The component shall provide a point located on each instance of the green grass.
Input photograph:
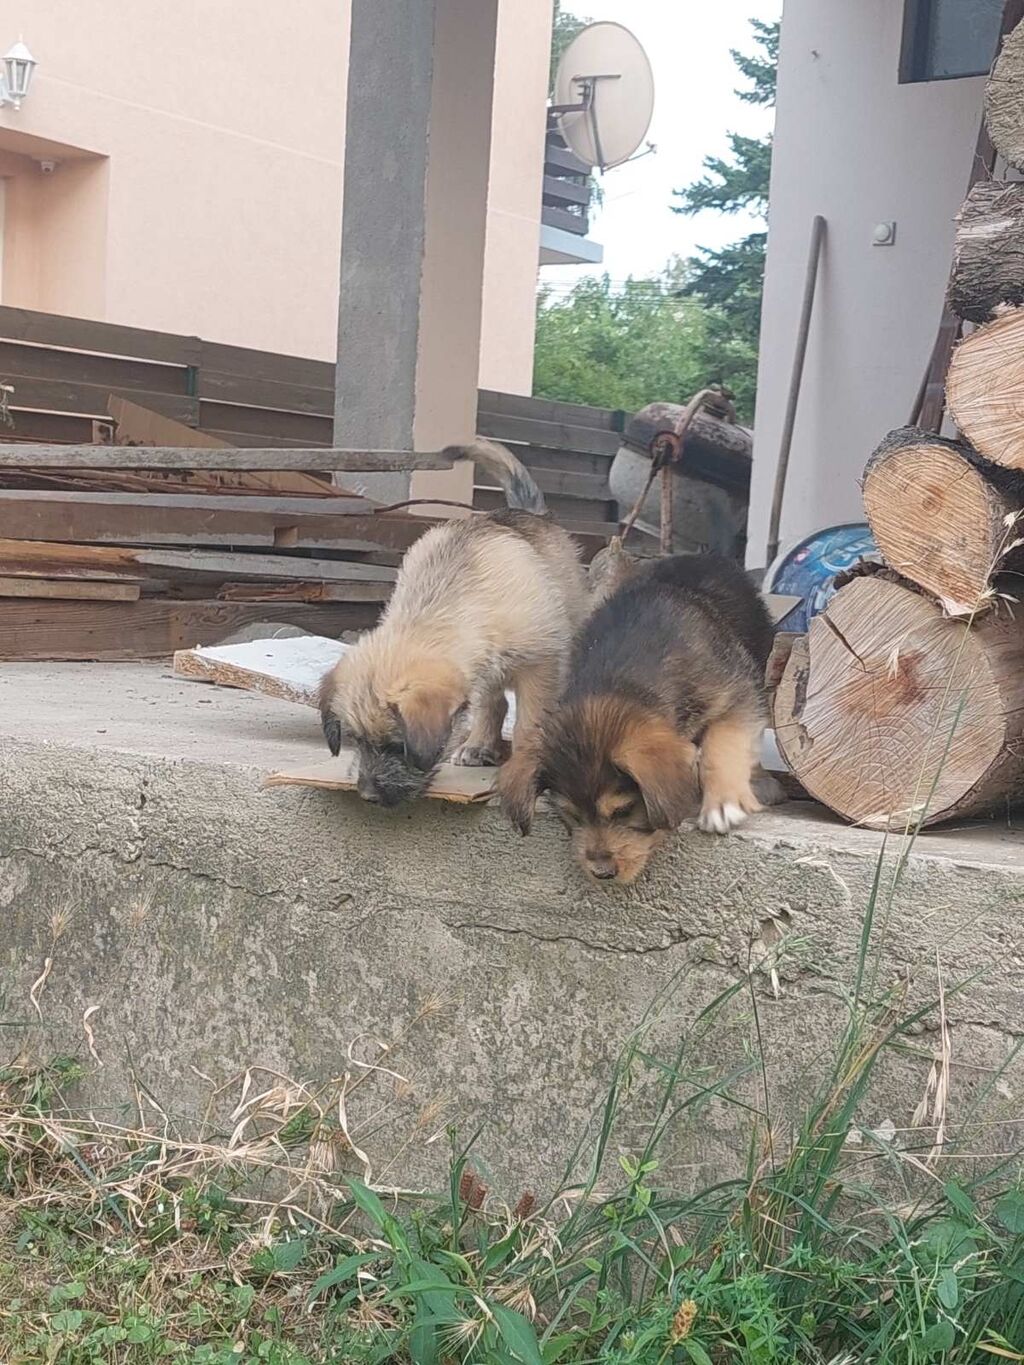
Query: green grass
(128, 1246)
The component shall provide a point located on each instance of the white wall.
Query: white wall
(854, 145)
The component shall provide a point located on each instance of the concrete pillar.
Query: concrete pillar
(417, 152)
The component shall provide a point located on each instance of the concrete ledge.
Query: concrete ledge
(218, 925)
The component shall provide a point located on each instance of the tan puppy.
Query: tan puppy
(480, 606)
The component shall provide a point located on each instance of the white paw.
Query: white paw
(475, 756)
(721, 819)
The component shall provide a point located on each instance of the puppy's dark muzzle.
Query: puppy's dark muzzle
(385, 780)
(603, 868)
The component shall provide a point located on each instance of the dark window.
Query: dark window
(943, 39)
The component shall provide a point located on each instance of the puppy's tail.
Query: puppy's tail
(520, 490)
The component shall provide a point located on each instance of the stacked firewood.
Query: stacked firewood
(904, 703)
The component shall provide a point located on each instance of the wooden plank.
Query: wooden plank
(20, 362)
(267, 365)
(570, 461)
(168, 519)
(223, 564)
(69, 589)
(562, 509)
(247, 440)
(561, 483)
(492, 403)
(251, 391)
(141, 426)
(56, 395)
(136, 425)
(153, 627)
(305, 591)
(290, 669)
(45, 559)
(267, 422)
(53, 559)
(82, 334)
(554, 435)
(175, 457)
(62, 427)
(186, 481)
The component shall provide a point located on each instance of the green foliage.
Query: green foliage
(759, 68)
(564, 29)
(794, 1260)
(641, 344)
(697, 322)
(730, 280)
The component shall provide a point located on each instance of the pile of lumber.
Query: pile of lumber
(904, 703)
(134, 551)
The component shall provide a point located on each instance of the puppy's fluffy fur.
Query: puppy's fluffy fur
(480, 605)
(661, 715)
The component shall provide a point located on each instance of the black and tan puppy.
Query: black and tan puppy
(661, 717)
(481, 605)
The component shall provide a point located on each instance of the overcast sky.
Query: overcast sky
(688, 42)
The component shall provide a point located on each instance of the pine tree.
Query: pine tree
(729, 280)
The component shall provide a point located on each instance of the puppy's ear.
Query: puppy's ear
(664, 766)
(427, 702)
(328, 720)
(519, 785)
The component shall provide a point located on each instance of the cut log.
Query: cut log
(985, 389)
(1004, 100)
(988, 258)
(943, 517)
(892, 714)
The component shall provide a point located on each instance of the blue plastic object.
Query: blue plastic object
(809, 568)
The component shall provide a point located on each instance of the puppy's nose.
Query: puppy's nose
(601, 866)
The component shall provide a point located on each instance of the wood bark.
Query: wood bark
(1004, 99)
(985, 389)
(988, 257)
(892, 714)
(942, 517)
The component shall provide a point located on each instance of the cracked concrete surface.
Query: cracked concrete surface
(218, 925)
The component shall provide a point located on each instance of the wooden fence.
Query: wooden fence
(64, 370)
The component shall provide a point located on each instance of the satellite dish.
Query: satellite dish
(604, 95)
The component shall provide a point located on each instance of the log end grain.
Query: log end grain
(940, 517)
(893, 715)
(985, 389)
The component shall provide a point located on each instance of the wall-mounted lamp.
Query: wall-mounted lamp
(16, 75)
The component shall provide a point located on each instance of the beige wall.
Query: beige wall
(855, 146)
(199, 185)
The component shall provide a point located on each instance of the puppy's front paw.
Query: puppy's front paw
(477, 756)
(720, 815)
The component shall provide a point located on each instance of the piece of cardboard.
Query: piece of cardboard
(139, 426)
(466, 786)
